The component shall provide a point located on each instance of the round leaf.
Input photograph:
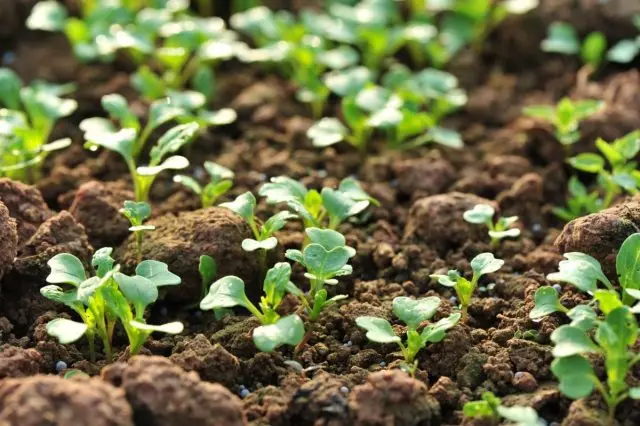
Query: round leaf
(326, 132)
(479, 214)
(227, 292)
(287, 331)
(485, 263)
(157, 272)
(66, 331)
(414, 311)
(66, 269)
(378, 329)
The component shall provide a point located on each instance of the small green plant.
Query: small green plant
(613, 339)
(581, 202)
(137, 213)
(229, 291)
(220, 182)
(620, 155)
(27, 118)
(325, 258)
(502, 228)
(482, 264)
(565, 117)
(490, 407)
(412, 312)
(106, 298)
(313, 207)
(132, 138)
(208, 269)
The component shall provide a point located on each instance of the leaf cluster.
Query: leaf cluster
(490, 406)
(498, 230)
(220, 182)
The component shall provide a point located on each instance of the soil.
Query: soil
(212, 374)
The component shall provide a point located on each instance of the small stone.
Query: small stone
(558, 288)
(61, 366)
(453, 300)
(244, 393)
(536, 228)
(344, 389)
(383, 364)
(525, 381)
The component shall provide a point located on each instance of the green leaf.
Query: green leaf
(66, 331)
(217, 172)
(208, 269)
(581, 270)
(48, 15)
(593, 48)
(226, 292)
(327, 132)
(583, 317)
(118, 108)
(120, 142)
(276, 281)
(277, 222)
(414, 311)
(243, 206)
(353, 189)
(66, 269)
(325, 263)
(340, 206)
(10, 85)
(628, 262)
(327, 238)
(634, 393)
(174, 139)
(477, 409)
(175, 162)
(624, 51)
(88, 287)
(57, 294)
(188, 182)
(282, 189)
(434, 333)
(576, 376)
(149, 84)
(348, 82)
(249, 244)
(547, 302)
(175, 327)
(138, 290)
(570, 340)
(485, 263)
(561, 38)
(445, 137)
(341, 57)
(220, 117)
(287, 331)
(479, 214)
(378, 329)
(544, 112)
(102, 261)
(188, 100)
(163, 111)
(608, 300)
(587, 162)
(136, 212)
(157, 272)
(522, 416)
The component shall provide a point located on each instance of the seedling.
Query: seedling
(584, 272)
(613, 339)
(482, 264)
(483, 214)
(208, 269)
(620, 155)
(324, 258)
(490, 407)
(565, 117)
(229, 292)
(132, 138)
(26, 121)
(137, 213)
(562, 38)
(105, 298)
(412, 312)
(315, 207)
(581, 202)
(220, 182)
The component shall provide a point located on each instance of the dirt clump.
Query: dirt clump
(25, 205)
(212, 362)
(18, 362)
(9, 238)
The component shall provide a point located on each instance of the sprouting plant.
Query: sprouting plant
(324, 258)
(28, 114)
(490, 406)
(208, 269)
(229, 291)
(264, 240)
(412, 312)
(137, 213)
(565, 117)
(613, 339)
(132, 138)
(482, 264)
(502, 228)
(581, 202)
(584, 272)
(106, 298)
(220, 182)
(313, 207)
(622, 176)
(563, 38)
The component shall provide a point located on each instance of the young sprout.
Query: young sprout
(490, 407)
(228, 292)
(483, 214)
(325, 258)
(581, 202)
(315, 207)
(565, 117)
(482, 264)
(28, 114)
(132, 138)
(208, 269)
(563, 38)
(412, 312)
(622, 176)
(137, 213)
(106, 298)
(220, 182)
(613, 340)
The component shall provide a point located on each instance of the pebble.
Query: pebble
(536, 227)
(344, 389)
(244, 393)
(453, 299)
(348, 344)
(525, 381)
(60, 366)
(383, 364)
(558, 288)
(322, 173)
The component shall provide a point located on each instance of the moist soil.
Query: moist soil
(212, 373)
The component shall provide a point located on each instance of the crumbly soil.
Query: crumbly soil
(212, 374)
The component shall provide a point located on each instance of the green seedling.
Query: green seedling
(329, 206)
(220, 182)
(132, 139)
(585, 273)
(137, 213)
(27, 117)
(626, 50)
(106, 298)
(229, 292)
(565, 117)
(562, 38)
(581, 202)
(482, 264)
(208, 269)
(622, 175)
(324, 258)
(502, 228)
(490, 407)
(613, 339)
(412, 312)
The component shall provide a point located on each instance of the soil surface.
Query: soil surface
(212, 374)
